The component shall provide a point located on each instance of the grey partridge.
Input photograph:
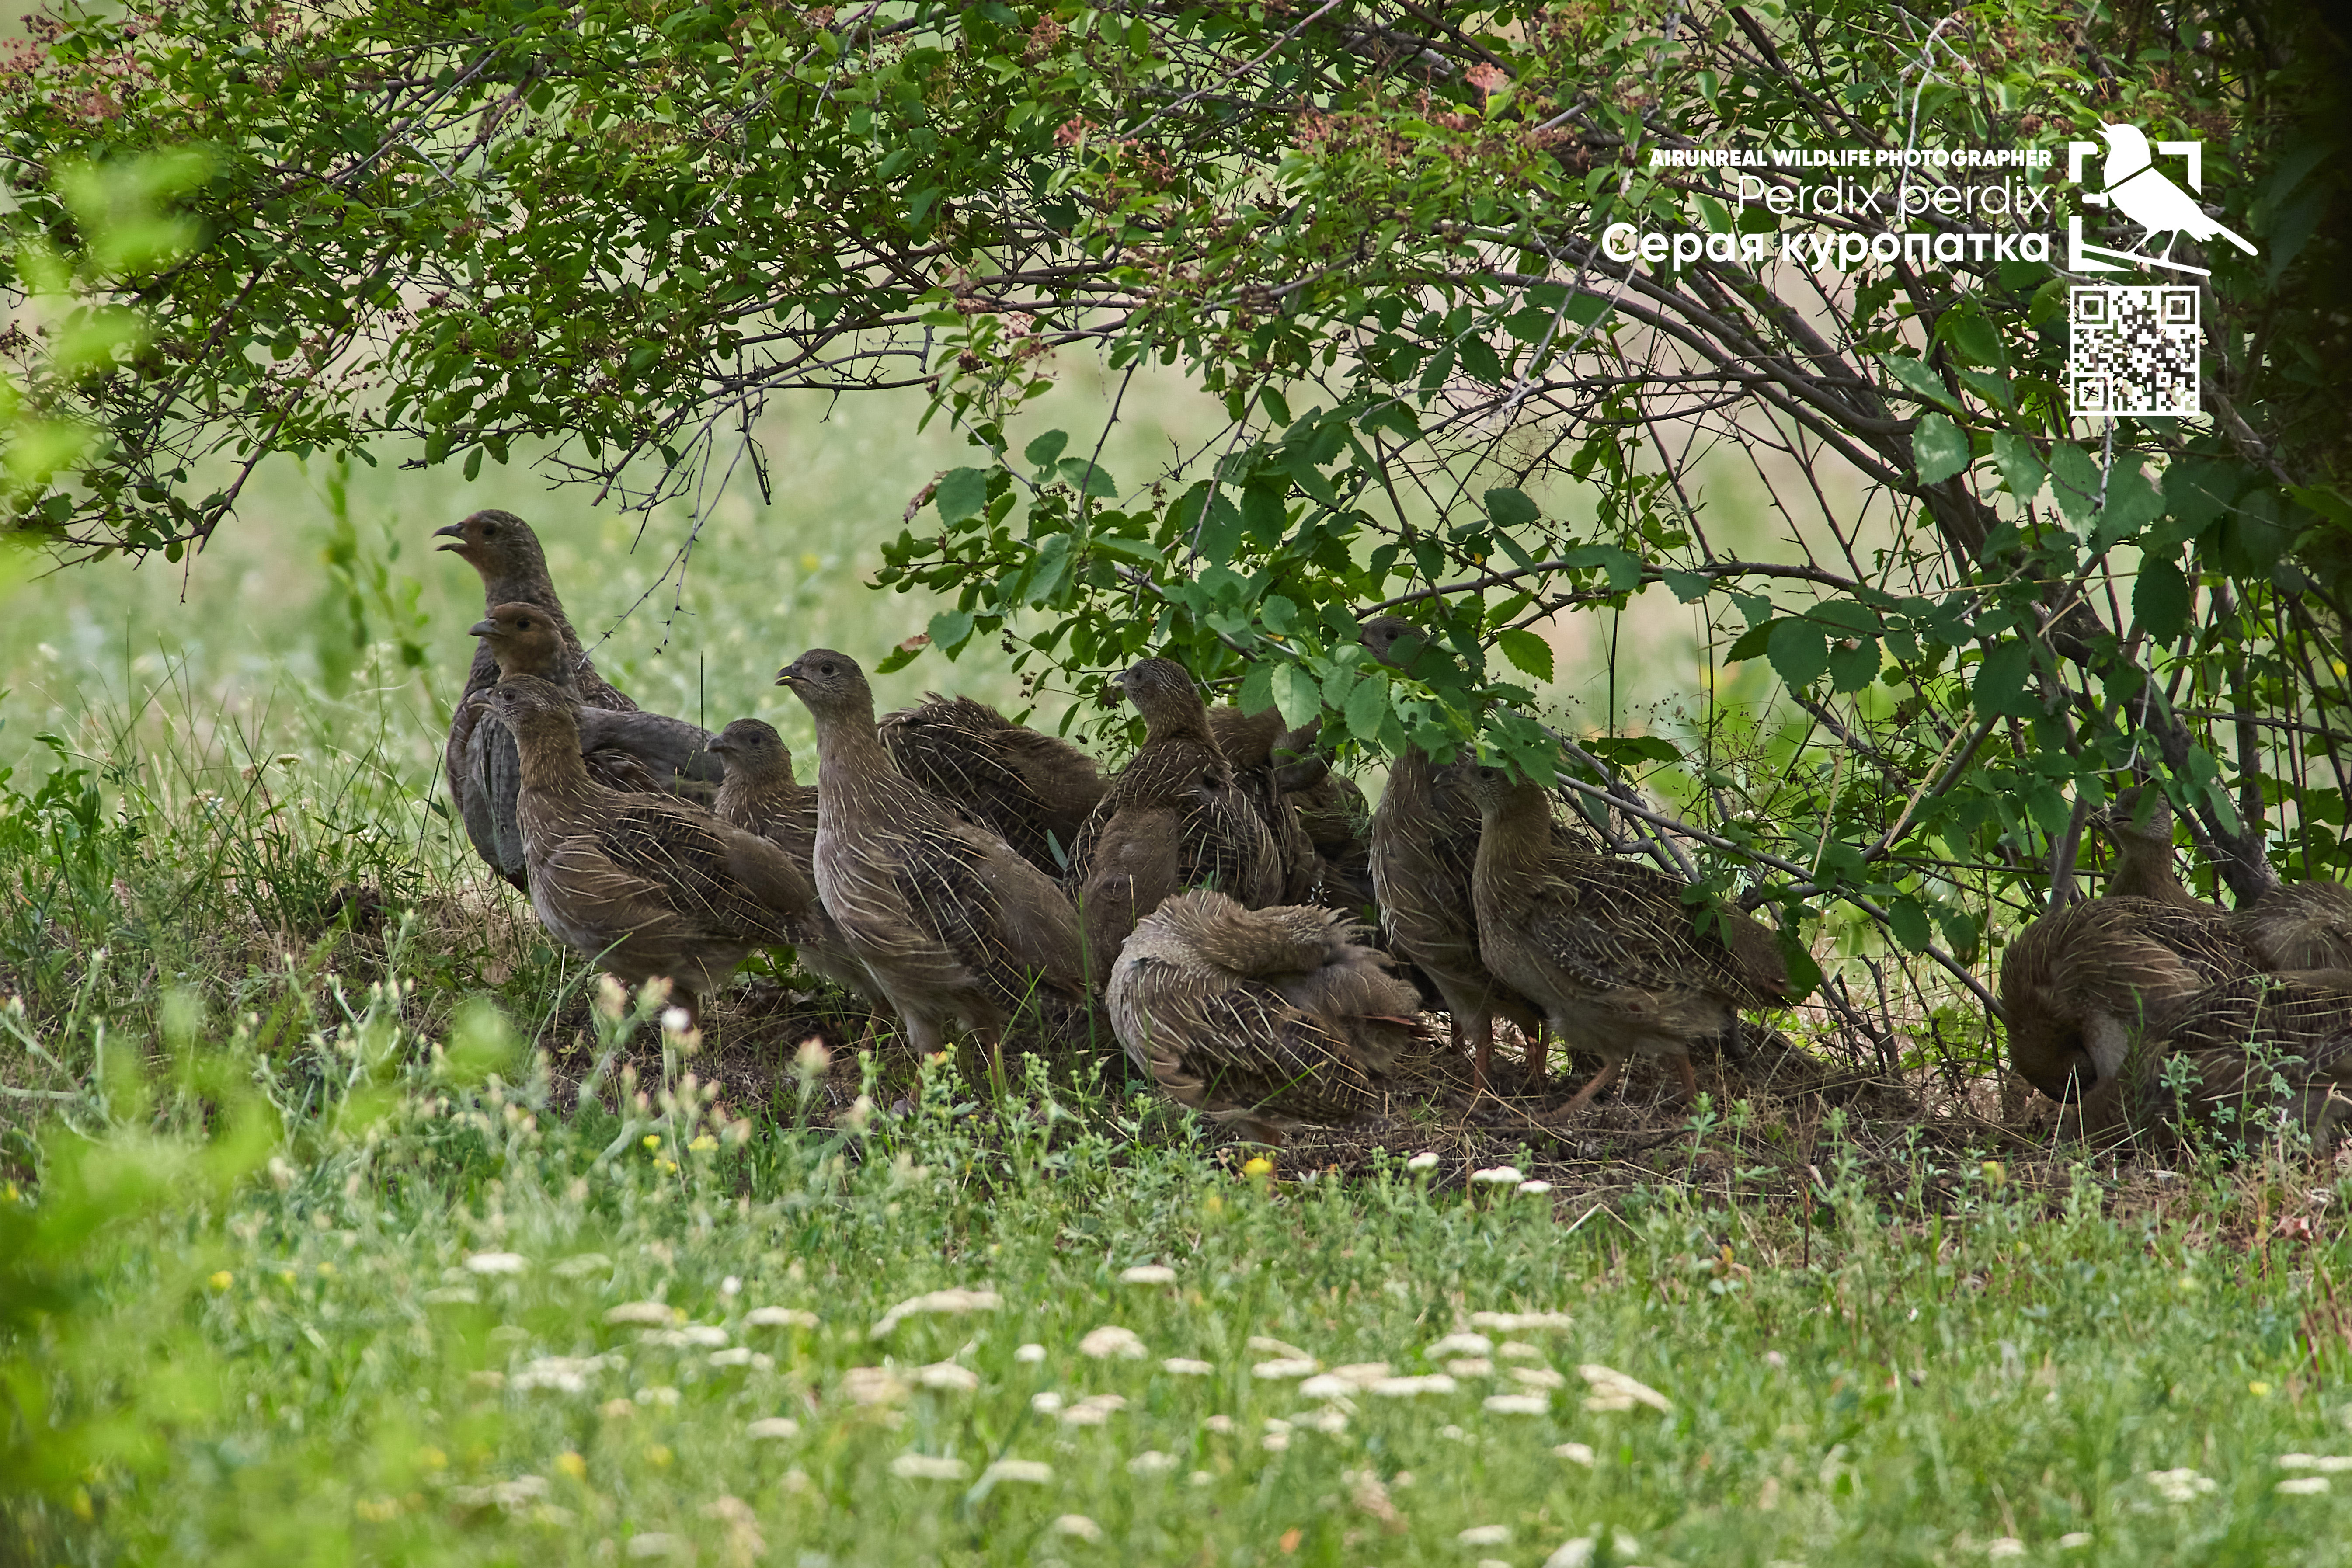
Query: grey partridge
(1613, 952)
(1173, 818)
(1260, 1016)
(480, 765)
(759, 795)
(645, 884)
(955, 926)
(1261, 751)
(1033, 790)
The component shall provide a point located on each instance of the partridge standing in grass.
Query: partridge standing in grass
(1262, 753)
(955, 926)
(1030, 789)
(1423, 858)
(645, 884)
(759, 795)
(1610, 949)
(480, 760)
(627, 749)
(1260, 1016)
(1173, 818)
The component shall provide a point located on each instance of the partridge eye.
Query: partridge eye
(489, 531)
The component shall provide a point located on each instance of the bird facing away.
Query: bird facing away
(1173, 819)
(1608, 949)
(645, 884)
(954, 925)
(2245, 1059)
(760, 796)
(1033, 790)
(1260, 1016)
(2150, 199)
(480, 762)
(1424, 859)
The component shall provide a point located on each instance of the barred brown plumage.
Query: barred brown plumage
(1613, 952)
(647, 884)
(2294, 926)
(1030, 789)
(953, 924)
(1173, 819)
(1260, 1016)
(1258, 749)
(761, 796)
(481, 764)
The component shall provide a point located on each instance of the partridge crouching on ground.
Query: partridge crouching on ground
(644, 884)
(955, 926)
(761, 796)
(481, 764)
(1260, 1016)
(1608, 949)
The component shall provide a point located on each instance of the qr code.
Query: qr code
(2134, 351)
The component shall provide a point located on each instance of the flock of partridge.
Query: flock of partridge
(1259, 941)
(955, 869)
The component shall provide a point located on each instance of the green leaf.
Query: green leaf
(1041, 452)
(1688, 587)
(1620, 750)
(1526, 650)
(1920, 377)
(1939, 449)
(2018, 463)
(1298, 694)
(2000, 688)
(1907, 917)
(1277, 407)
(1975, 339)
(473, 464)
(899, 658)
(1264, 517)
(1089, 477)
(1511, 509)
(2074, 483)
(1852, 668)
(1799, 650)
(950, 630)
(1367, 704)
(1750, 644)
(2161, 599)
(2132, 502)
(961, 494)
(1257, 694)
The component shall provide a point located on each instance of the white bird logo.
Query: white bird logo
(2150, 199)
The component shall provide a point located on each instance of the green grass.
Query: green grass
(311, 1336)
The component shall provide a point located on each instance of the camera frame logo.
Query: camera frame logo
(2134, 349)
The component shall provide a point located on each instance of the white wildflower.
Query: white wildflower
(1518, 1404)
(778, 1318)
(1266, 1345)
(654, 1543)
(581, 1266)
(773, 1426)
(1185, 1366)
(1612, 1390)
(1219, 1424)
(1046, 1404)
(1078, 1525)
(644, 1313)
(871, 1385)
(1499, 1176)
(1151, 1462)
(1575, 1454)
(1285, 1367)
(1030, 1354)
(564, 1374)
(1036, 1471)
(2004, 1546)
(953, 1303)
(2074, 1540)
(659, 1393)
(2183, 1485)
(1458, 1344)
(1093, 1410)
(1109, 1340)
(1486, 1535)
(1148, 1273)
(2302, 1486)
(947, 1376)
(1274, 1442)
(924, 1468)
(1424, 1161)
(740, 1356)
(1518, 1323)
(1471, 1366)
(694, 1336)
(1537, 1377)
(1406, 1388)
(1536, 1187)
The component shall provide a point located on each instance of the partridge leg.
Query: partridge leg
(1601, 1080)
(1479, 1066)
(1539, 1060)
(1689, 1074)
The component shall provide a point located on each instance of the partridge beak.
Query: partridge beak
(481, 628)
(455, 533)
(785, 676)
